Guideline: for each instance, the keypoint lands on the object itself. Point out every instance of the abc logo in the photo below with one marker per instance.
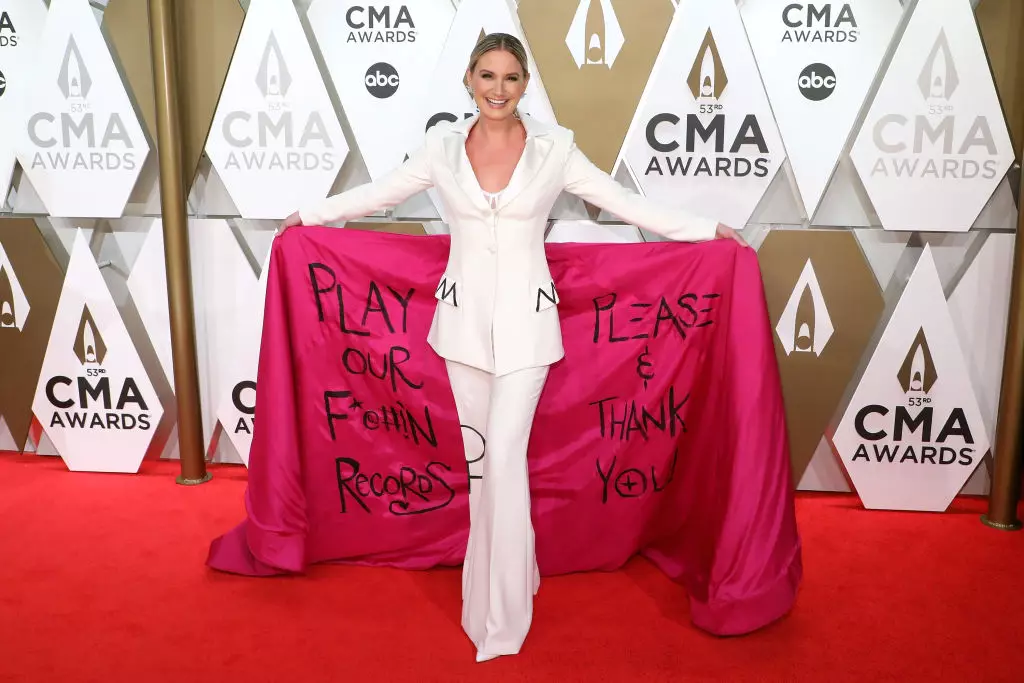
(381, 80)
(817, 82)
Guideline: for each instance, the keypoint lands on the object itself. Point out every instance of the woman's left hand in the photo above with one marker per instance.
(724, 232)
(289, 222)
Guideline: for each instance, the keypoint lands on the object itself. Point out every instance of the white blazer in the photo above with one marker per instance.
(497, 301)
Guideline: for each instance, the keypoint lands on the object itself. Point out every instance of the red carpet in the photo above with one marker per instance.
(102, 579)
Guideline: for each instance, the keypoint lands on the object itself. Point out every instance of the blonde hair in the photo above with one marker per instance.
(498, 41)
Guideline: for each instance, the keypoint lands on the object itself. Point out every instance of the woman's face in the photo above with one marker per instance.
(498, 84)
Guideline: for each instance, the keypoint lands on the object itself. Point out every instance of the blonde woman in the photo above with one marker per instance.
(496, 322)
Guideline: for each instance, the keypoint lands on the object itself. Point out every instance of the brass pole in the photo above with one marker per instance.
(1005, 490)
(163, 37)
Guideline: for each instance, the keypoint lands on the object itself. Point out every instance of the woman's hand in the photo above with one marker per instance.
(724, 232)
(289, 222)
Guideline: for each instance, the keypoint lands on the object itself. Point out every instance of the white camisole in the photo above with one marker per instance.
(492, 197)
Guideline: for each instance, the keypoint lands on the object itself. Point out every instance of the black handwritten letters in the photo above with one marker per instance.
(447, 292)
(377, 392)
(389, 313)
(365, 317)
(632, 482)
(623, 418)
(377, 315)
(388, 419)
(648, 320)
(618, 421)
(387, 368)
(666, 323)
(476, 448)
(407, 492)
(644, 366)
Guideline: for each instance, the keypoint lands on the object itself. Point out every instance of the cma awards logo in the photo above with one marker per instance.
(13, 305)
(8, 34)
(374, 24)
(805, 326)
(595, 36)
(89, 346)
(939, 79)
(707, 78)
(940, 437)
(705, 145)
(271, 138)
(92, 399)
(917, 374)
(77, 126)
(74, 80)
(272, 77)
(935, 142)
(3, 83)
(819, 23)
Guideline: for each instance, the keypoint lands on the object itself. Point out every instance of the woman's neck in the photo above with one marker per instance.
(501, 129)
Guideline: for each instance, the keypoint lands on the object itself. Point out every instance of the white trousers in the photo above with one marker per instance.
(500, 575)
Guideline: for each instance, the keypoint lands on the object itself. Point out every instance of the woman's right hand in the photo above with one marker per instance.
(724, 232)
(294, 219)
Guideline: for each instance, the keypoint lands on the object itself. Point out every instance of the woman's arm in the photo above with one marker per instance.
(411, 177)
(587, 181)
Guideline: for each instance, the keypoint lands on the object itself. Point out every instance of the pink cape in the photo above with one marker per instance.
(661, 432)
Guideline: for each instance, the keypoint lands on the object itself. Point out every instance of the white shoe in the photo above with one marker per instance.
(482, 657)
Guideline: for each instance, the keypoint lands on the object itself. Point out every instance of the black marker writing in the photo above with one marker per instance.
(690, 311)
(644, 367)
(390, 313)
(633, 482)
(404, 489)
(391, 419)
(386, 368)
(623, 419)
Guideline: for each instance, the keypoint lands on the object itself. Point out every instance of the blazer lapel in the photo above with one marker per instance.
(538, 146)
(458, 162)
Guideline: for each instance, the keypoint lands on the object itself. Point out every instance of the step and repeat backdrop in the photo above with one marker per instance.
(862, 146)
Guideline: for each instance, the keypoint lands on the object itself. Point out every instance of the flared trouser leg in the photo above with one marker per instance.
(500, 575)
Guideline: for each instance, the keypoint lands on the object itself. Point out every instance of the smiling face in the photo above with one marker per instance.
(498, 82)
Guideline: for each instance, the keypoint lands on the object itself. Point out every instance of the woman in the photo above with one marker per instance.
(496, 323)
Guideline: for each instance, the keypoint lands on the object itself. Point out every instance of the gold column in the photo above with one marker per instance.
(1005, 490)
(175, 221)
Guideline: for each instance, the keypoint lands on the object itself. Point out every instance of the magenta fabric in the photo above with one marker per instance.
(661, 432)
